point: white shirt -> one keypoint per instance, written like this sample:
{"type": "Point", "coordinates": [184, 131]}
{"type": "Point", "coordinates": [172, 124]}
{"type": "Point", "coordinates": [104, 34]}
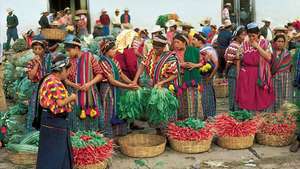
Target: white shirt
{"type": "Point", "coordinates": [225, 14]}
{"type": "Point", "coordinates": [116, 20]}
{"type": "Point", "coordinates": [269, 35]}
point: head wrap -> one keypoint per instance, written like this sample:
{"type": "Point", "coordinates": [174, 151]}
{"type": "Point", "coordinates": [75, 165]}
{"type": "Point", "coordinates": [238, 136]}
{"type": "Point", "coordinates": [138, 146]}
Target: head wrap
{"type": "Point", "coordinates": [106, 45]}
{"type": "Point", "coordinates": [238, 31]}
{"type": "Point", "coordinates": [38, 39]}
{"type": "Point", "coordinates": [160, 41]}
{"type": "Point", "coordinates": [72, 43]}
{"type": "Point", "coordinates": [58, 65]}
{"type": "Point", "coordinates": [182, 38]}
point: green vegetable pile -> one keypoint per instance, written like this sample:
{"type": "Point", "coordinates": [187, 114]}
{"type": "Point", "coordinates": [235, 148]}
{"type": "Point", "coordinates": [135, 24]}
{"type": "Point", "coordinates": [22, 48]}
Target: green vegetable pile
{"type": "Point", "coordinates": [84, 139]}
{"type": "Point", "coordinates": [241, 115]}
{"type": "Point", "coordinates": [20, 45]}
{"type": "Point", "coordinates": [27, 144]}
{"type": "Point", "coordinates": [193, 123]}
{"type": "Point", "coordinates": [162, 106]}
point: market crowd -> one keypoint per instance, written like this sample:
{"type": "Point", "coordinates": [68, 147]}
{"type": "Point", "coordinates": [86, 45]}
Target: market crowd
{"type": "Point", "coordinates": [78, 90]}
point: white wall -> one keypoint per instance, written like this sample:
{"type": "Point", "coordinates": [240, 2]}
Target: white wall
{"type": "Point", "coordinates": [27, 11]}
{"type": "Point", "coordinates": [279, 11]}
{"type": "Point", "coordinates": [145, 12]}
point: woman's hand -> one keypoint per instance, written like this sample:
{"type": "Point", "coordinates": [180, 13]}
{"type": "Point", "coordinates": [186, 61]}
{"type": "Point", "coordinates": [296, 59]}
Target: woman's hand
{"type": "Point", "coordinates": [254, 44]}
{"type": "Point", "coordinates": [184, 64]}
{"type": "Point", "coordinates": [85, 87]}
{"type": "Point", "coordinates": [159, 85]}
{"type": "Point", "coordinates": [73, 97]}
{"type": "Point", "coordinates": [133, 86]}
{"type": "Point", "coordinates": [191, 65]}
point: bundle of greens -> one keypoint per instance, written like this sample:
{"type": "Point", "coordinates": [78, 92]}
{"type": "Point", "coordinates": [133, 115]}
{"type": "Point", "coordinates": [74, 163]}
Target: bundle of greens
{"type": "Point", "coordinates": [130, 107]}
{"type": "Point", "coordinates": [162, 106]}
{"type": "Point", "coordinates": [241, 115]}
{"type": "Point", "coordinates": [192, 123]}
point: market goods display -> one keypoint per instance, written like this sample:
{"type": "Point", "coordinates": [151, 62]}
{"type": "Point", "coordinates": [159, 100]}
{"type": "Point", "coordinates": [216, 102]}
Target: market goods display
{"type": "Point", "coordinates": [20, 45]}
{"type": "Point", "coordinates": [142, 145]}
{"type": "Point", "coordinates": [190, 136]}
{"type": "Point", "coordinates": [91, 150]}
{"type": "Point", "coordinates": [235, 130]}
{"type": "Point", "coordinates": [276, 129]}
{"type": "Point", "coordinates": [25, 151]}
{"type": "Point", "coordinates": [158, 104]}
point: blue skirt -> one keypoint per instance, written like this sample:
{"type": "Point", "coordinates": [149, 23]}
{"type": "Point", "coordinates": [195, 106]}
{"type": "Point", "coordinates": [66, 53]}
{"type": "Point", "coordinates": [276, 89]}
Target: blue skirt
{"type": "Point", "coordinates": [55, 149]}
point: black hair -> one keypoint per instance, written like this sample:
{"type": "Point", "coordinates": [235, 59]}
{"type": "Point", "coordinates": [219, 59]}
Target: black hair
{"type": "Point", "coordinates": [181, 37]}
{"type": "Point", "coordinates": [57, 58]}
{"type": "Point", "coordinates": [279, 36]}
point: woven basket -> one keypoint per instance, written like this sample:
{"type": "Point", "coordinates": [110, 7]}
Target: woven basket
{"type": "Point", "coordinates": [273, 140]}
{"type": "Point", "coordinates": [142, 145]}
{"type": "Point", "coordinates": [53, 34]}
{"type": "Point", "coordinates": [22, 158]}
{"type": "Point", "coordinates": [235, 143]}
{"type": "Point", "coordinates": [221, 89]}
{"type": "Point", "coordinates": [101, 165]}
{"type": "Point", "coordinates": [190, 147]}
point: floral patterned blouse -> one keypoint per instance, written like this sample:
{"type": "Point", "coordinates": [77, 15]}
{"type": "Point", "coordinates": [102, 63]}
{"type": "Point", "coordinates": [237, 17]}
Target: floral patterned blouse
{"type": "Point", "coordinates": [52, 89]}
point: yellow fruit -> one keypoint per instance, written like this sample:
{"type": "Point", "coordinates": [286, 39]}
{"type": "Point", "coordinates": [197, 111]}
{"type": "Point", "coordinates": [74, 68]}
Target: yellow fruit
{"type": "Point", "coordinates": [209, 66]}
{"type": "Point", "coordinates": [82, 114]}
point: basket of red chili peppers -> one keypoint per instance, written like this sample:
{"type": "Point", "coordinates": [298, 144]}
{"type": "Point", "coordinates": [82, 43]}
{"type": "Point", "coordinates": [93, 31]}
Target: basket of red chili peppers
{"type": "Point", "coordinates": [276, 129]}
{"type": "Point", "coordinates": [91, 150]}
{"type": "Point", "coordinates": [235, 130]}
{"type": "Point", "coordinates": [190, 136]}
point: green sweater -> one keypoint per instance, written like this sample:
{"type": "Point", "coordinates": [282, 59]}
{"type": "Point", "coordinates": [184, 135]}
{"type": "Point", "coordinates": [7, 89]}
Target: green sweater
{"type": "Point", "coordinates": [12, 21]}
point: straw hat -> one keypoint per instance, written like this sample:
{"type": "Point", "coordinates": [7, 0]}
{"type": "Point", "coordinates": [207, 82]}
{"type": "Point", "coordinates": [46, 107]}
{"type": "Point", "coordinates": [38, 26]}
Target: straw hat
{"type": "Point", "coordinates": [103, 10]}
{"type": "Point", "coordinates": [126, 9]}
{"type": "Point", "coordinates": [280, 29]}
{"type": "Point", "coordinates": [206, 21]}
{"type": "Point", "coordinates": [266, 20]}
{"type": "Point", "coordinates": [227, 4]}
{"type": "Point", "coordinates": [186, 25]}
{"type": "Point", "coordinates": [227, 23]}
{"type": "Point", "coordinates": [117, 10]}
{"type": "Point", "coordinates": [9, 10]}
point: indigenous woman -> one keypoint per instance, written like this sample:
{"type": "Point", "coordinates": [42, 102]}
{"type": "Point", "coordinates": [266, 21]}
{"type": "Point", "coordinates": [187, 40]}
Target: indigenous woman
{"type": "Point", "coordinates": [110, 92]}
{"type": "Point", "coordinates": [162, 67]}
{"type": "Point", "coordinates": [232, 58]}
{"type": "Point", "coordinates": [54, 143]}
{"type": "Point", "coordinates": [37, 68]}
{"type": "Point", "coordinates": [208, 55]}
{"type": "Point", "coordinates": [190, 101]}
{"type": "Point", "coordinates": [85, 73]}
{"type": "Point", "coordinates": [281, 72]}
{"type": "Point", "coordinates": [254, 89]}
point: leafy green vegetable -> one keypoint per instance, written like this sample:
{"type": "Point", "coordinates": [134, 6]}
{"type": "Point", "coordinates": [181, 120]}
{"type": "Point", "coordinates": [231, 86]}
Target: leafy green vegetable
{"type": "Point", "coordinates": [20, 45]}
{"type": "Point", "coordinates": [162, 106]}
{"type": "Point", "coordinates": [193, 123]}
{"type": "Point", "coordinates": [82, 139]}
{"type": "Point", "coordinates": [241, 115]}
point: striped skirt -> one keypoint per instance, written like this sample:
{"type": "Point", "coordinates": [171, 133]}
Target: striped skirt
{"type": "Point", "coordinates": [208, 99]}
{"type": "Point", "coordinates": [283, 88]}
{"type": "Point", "coordinates": [108, 104]}
{"type": "Point", "coordinates": [89, 123]}
{"type": "Point", "coordinates": [31, 110]}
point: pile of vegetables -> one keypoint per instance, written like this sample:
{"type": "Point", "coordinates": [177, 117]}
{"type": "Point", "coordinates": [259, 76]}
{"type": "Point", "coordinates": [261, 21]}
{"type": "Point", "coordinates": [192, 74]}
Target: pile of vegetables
{"type": "Point", "coordinates": [235, 124]}
{"type": "Point", "coordinates": [28, 143]}
{"type": "Point", "coordinates": [162, 106]}
{"type": "Point", "coordinates": [90, 148]}
{"type": "Point", "coordinates": [20, 45]}
{"type": "Point", "coordinates": [279, 124]}
{"type": "Point", "coordinates": [190, 130]}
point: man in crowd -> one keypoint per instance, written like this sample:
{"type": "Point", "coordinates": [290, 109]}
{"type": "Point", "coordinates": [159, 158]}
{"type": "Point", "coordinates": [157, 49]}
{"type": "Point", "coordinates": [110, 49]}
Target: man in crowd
{"type": "Point", "coordinates": [44, 22]}
{"type": "Point", "coordinates": [125, 18]}
{"type": "Point", "coordinates": [12, 23]}
{"type": "Point", "coordinates": [105, 21]}
{"type": "Point", "coordinates": [225, 12]}
{"type": "Point", "coordinates": [266, 31]}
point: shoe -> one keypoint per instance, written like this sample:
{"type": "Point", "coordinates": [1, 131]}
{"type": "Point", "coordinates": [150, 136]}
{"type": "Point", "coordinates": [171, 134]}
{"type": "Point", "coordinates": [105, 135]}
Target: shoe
{"type": "Point", "coordinates": [295, 146]}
